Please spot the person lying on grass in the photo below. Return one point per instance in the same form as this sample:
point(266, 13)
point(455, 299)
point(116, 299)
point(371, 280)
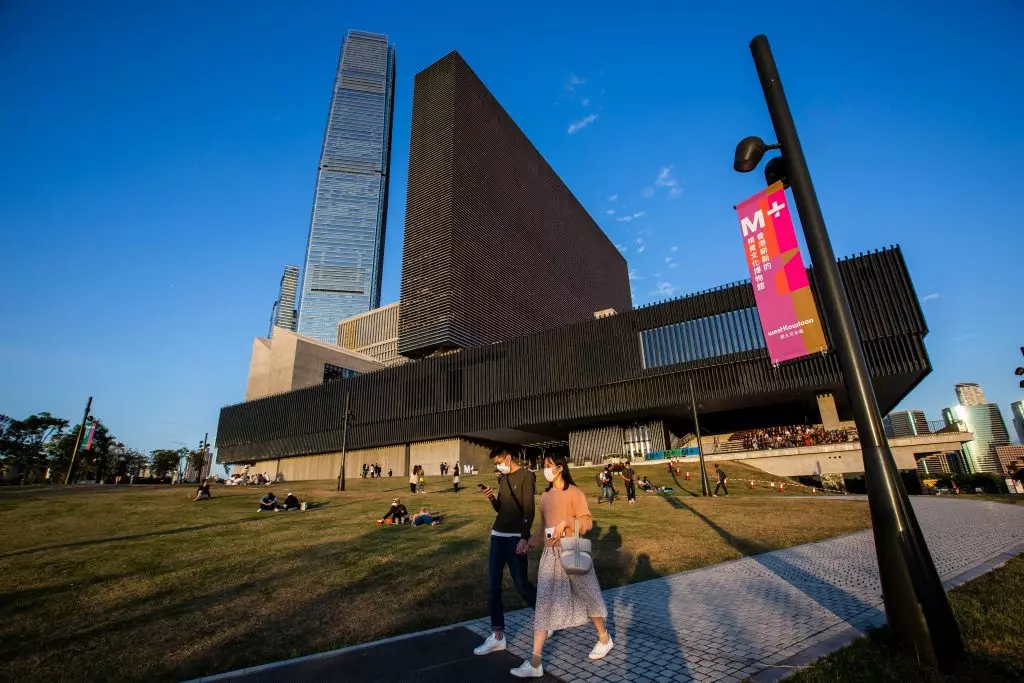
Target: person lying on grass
point(291, 502)
point(397, 514)
point(424, 518)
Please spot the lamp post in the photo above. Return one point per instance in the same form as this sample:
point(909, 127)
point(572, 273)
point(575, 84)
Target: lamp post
point(344, 445)
point(705, 485)
point(915, 602)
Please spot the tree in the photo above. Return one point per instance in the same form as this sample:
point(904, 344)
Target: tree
point(97, 460)
point(24, 444)
point(165, 461)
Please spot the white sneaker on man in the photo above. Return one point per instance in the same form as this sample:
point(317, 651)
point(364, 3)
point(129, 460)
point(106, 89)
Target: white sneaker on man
point(527, 670)
point(490, 645)
point(601, 649)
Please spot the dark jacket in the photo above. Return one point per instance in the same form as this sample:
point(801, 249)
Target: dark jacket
point(396, 511)
point(515, 517)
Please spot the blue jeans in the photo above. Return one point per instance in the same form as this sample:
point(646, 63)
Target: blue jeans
point(503, 552)
point(606, 492)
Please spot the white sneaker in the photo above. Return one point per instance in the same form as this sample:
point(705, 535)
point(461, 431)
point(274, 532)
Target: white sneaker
point(601, 649)
point(527, 670)
point(490, 645)
point(551, 632)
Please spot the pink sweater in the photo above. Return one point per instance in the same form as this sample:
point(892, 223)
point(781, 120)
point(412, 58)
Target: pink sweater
point(557, 505)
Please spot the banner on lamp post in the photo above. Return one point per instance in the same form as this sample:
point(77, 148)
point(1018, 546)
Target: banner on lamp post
point(789, 317)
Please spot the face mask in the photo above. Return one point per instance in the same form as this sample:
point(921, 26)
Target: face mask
point(549, 473)
point(503, 468)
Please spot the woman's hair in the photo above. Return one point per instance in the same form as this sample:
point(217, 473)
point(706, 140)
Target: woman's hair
point(559, 459)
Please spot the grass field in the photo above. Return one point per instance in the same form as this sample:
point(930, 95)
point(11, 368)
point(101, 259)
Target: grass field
point(989, 611)
point(139, 583)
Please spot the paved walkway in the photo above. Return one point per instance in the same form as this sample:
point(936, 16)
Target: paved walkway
point(752, 619)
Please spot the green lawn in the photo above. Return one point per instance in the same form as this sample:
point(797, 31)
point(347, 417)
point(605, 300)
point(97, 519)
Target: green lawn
point(990, 611)
point(140, 583)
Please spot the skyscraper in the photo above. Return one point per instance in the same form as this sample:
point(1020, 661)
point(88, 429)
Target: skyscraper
point(345, 253)
point(905, 423)
point(985, 421)
point(970, 395)
point(284, 313)
point(1017, 410)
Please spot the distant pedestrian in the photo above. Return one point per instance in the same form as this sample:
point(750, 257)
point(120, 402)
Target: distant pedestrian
point(455, 481)
point(365, 469)
point(414, 478)
point(607, 492)
point(721, 480)
point(389, 473)
point(422, 483)
point(629, 477)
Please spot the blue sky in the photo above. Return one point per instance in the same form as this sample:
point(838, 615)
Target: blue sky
point(157, 166)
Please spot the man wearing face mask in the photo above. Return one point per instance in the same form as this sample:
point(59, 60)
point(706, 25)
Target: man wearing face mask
point(509, 541)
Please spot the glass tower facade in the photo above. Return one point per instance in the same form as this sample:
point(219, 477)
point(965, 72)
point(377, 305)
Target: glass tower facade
point(986, 422)
point(1017, 409)
point(345, 252)
point(283, 314)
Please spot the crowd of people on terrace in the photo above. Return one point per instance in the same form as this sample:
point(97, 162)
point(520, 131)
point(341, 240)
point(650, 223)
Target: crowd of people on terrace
point(794, 436)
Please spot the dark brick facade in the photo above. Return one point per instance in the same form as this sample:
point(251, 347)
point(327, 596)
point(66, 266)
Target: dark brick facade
point(496, 246)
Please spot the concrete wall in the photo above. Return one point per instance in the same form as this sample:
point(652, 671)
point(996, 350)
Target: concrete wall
point(385, 456)
point(324, 466)
point(827, 410)
point(291, 361)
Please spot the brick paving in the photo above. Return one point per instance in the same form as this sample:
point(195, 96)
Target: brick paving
point(758, 617)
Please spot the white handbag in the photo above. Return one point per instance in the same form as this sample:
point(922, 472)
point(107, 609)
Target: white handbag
point(574, 553)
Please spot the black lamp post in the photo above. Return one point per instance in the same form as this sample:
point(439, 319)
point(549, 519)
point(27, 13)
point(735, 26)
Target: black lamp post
point(915, 602)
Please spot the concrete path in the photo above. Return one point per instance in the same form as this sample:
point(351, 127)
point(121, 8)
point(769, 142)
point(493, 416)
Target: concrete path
point(756, 618)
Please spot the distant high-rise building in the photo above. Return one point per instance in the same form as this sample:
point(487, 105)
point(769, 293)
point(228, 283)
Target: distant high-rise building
point(986, 422)
point(284, 313)
point(905, 423)
point(345, 253)
point(970, 395)
point(1017, 411)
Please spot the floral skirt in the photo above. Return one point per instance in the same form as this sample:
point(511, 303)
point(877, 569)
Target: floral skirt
point(564, 601)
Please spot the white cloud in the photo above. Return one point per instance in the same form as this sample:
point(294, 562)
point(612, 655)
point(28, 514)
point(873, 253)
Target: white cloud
point(621, 247)
point(674, 248)
point(613, 197)
point(634, 276)
point(573, 81)
point(632, 217)
point(582, 123)
point(647, 192)
point(610, 212)
point(673, 265)
point(668, 259)
point(585, 102)
point(639, 241)
point(929, 297)
point(664, 289)
point(667, 180)
point(641, 249)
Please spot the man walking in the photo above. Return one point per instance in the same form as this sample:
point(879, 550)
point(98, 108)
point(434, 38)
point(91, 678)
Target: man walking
point(607, 492)
point(721, 480)
point(629, 477)
point(509, 536)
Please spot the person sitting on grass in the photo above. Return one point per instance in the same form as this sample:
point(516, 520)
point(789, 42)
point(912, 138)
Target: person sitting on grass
point(424, 518)
point(291, 502)
point(203, 492)
point(268, 503)
point(646, 485)
point(398, 514)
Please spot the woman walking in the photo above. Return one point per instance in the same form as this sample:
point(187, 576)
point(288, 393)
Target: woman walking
point(414, 478)
point(563, 600)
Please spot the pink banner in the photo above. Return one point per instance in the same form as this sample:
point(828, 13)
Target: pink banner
point(789, 317)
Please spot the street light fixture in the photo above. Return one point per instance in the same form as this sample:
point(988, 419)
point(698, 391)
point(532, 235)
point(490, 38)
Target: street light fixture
point(915, 602)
